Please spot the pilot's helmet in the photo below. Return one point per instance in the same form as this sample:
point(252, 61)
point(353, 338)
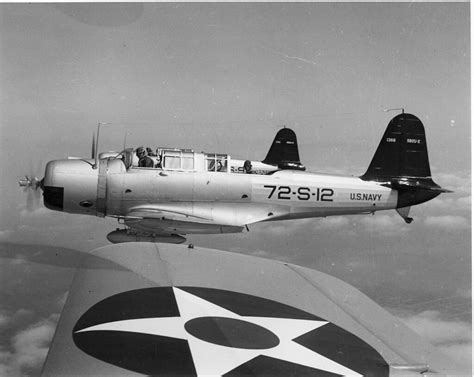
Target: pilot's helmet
point(247, 165)
point(141, 151)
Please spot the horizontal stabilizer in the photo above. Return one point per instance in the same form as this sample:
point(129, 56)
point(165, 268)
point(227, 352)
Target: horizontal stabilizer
point(417, 184)
point(284, 151)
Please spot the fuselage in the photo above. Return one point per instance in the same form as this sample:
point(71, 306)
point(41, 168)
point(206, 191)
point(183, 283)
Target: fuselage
point(194, 198)
point(293, 194)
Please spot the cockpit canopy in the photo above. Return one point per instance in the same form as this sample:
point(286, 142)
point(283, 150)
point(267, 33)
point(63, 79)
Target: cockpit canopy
point(180, 160)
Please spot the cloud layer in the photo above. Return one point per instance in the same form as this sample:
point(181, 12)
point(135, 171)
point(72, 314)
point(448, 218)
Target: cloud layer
point(451, 222)
point(452, 337)
point(29, 348)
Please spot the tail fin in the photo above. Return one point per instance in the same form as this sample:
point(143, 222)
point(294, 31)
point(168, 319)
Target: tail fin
point(402, 151)
point(401, 159)
point(284, 151)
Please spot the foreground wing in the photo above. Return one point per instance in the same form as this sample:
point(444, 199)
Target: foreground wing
point(156, 309)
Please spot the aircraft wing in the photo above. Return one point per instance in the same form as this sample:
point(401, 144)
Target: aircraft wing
point(200, 217)
point(159, 309)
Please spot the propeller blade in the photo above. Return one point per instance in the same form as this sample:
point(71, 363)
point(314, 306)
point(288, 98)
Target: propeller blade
point(30, 186)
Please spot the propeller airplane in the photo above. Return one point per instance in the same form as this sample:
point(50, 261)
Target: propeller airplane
point(164, 194)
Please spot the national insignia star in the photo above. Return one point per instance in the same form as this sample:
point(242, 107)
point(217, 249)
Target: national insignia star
point(212, 359)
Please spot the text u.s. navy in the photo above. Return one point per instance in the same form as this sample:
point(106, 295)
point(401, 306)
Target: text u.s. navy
point(364, 196)
point(165, 193)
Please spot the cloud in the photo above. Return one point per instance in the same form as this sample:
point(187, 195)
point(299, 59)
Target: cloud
point(459, 182)
point(384, 224)
point(31, 345)
point(22, 314)
point(29, 348)
point(448, 202)
point(431, 326)
point(5, 368)
point(452, 337)
point(347, 226)
point(4, 320)
point(71, 231)
point(465, 293)
point(464, 202)
point(448, 222)
point(283, 227)
point(5, 235)
point(334, 222)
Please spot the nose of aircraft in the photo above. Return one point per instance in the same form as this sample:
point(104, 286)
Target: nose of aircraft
point(70, 186)
point(53, 197)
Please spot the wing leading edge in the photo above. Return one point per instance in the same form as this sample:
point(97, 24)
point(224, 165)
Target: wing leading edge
point(161, 309)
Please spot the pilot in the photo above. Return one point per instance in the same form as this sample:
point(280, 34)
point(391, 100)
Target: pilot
point(144, 160)
point(248, 167)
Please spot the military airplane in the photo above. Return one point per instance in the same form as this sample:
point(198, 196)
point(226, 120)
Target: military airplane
point(154, 309)
point(173, 192)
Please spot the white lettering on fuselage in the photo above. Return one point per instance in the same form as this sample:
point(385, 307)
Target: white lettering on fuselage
point(391, 140)
point(364, 196)
point(413, 141)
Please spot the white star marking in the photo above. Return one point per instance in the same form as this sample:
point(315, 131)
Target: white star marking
point(215, 360)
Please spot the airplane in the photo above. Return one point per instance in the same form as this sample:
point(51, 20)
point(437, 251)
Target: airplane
point(187, 192)
point(154, 309)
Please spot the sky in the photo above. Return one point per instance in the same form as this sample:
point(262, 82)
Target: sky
point(224, 78)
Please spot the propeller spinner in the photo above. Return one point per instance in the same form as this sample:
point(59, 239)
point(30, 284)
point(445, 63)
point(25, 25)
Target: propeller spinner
point(30, 182)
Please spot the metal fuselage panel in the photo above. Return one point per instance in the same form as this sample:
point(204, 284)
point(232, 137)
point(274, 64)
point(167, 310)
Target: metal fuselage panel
point(291, 194)
point(176, 189)
point(315, 195)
